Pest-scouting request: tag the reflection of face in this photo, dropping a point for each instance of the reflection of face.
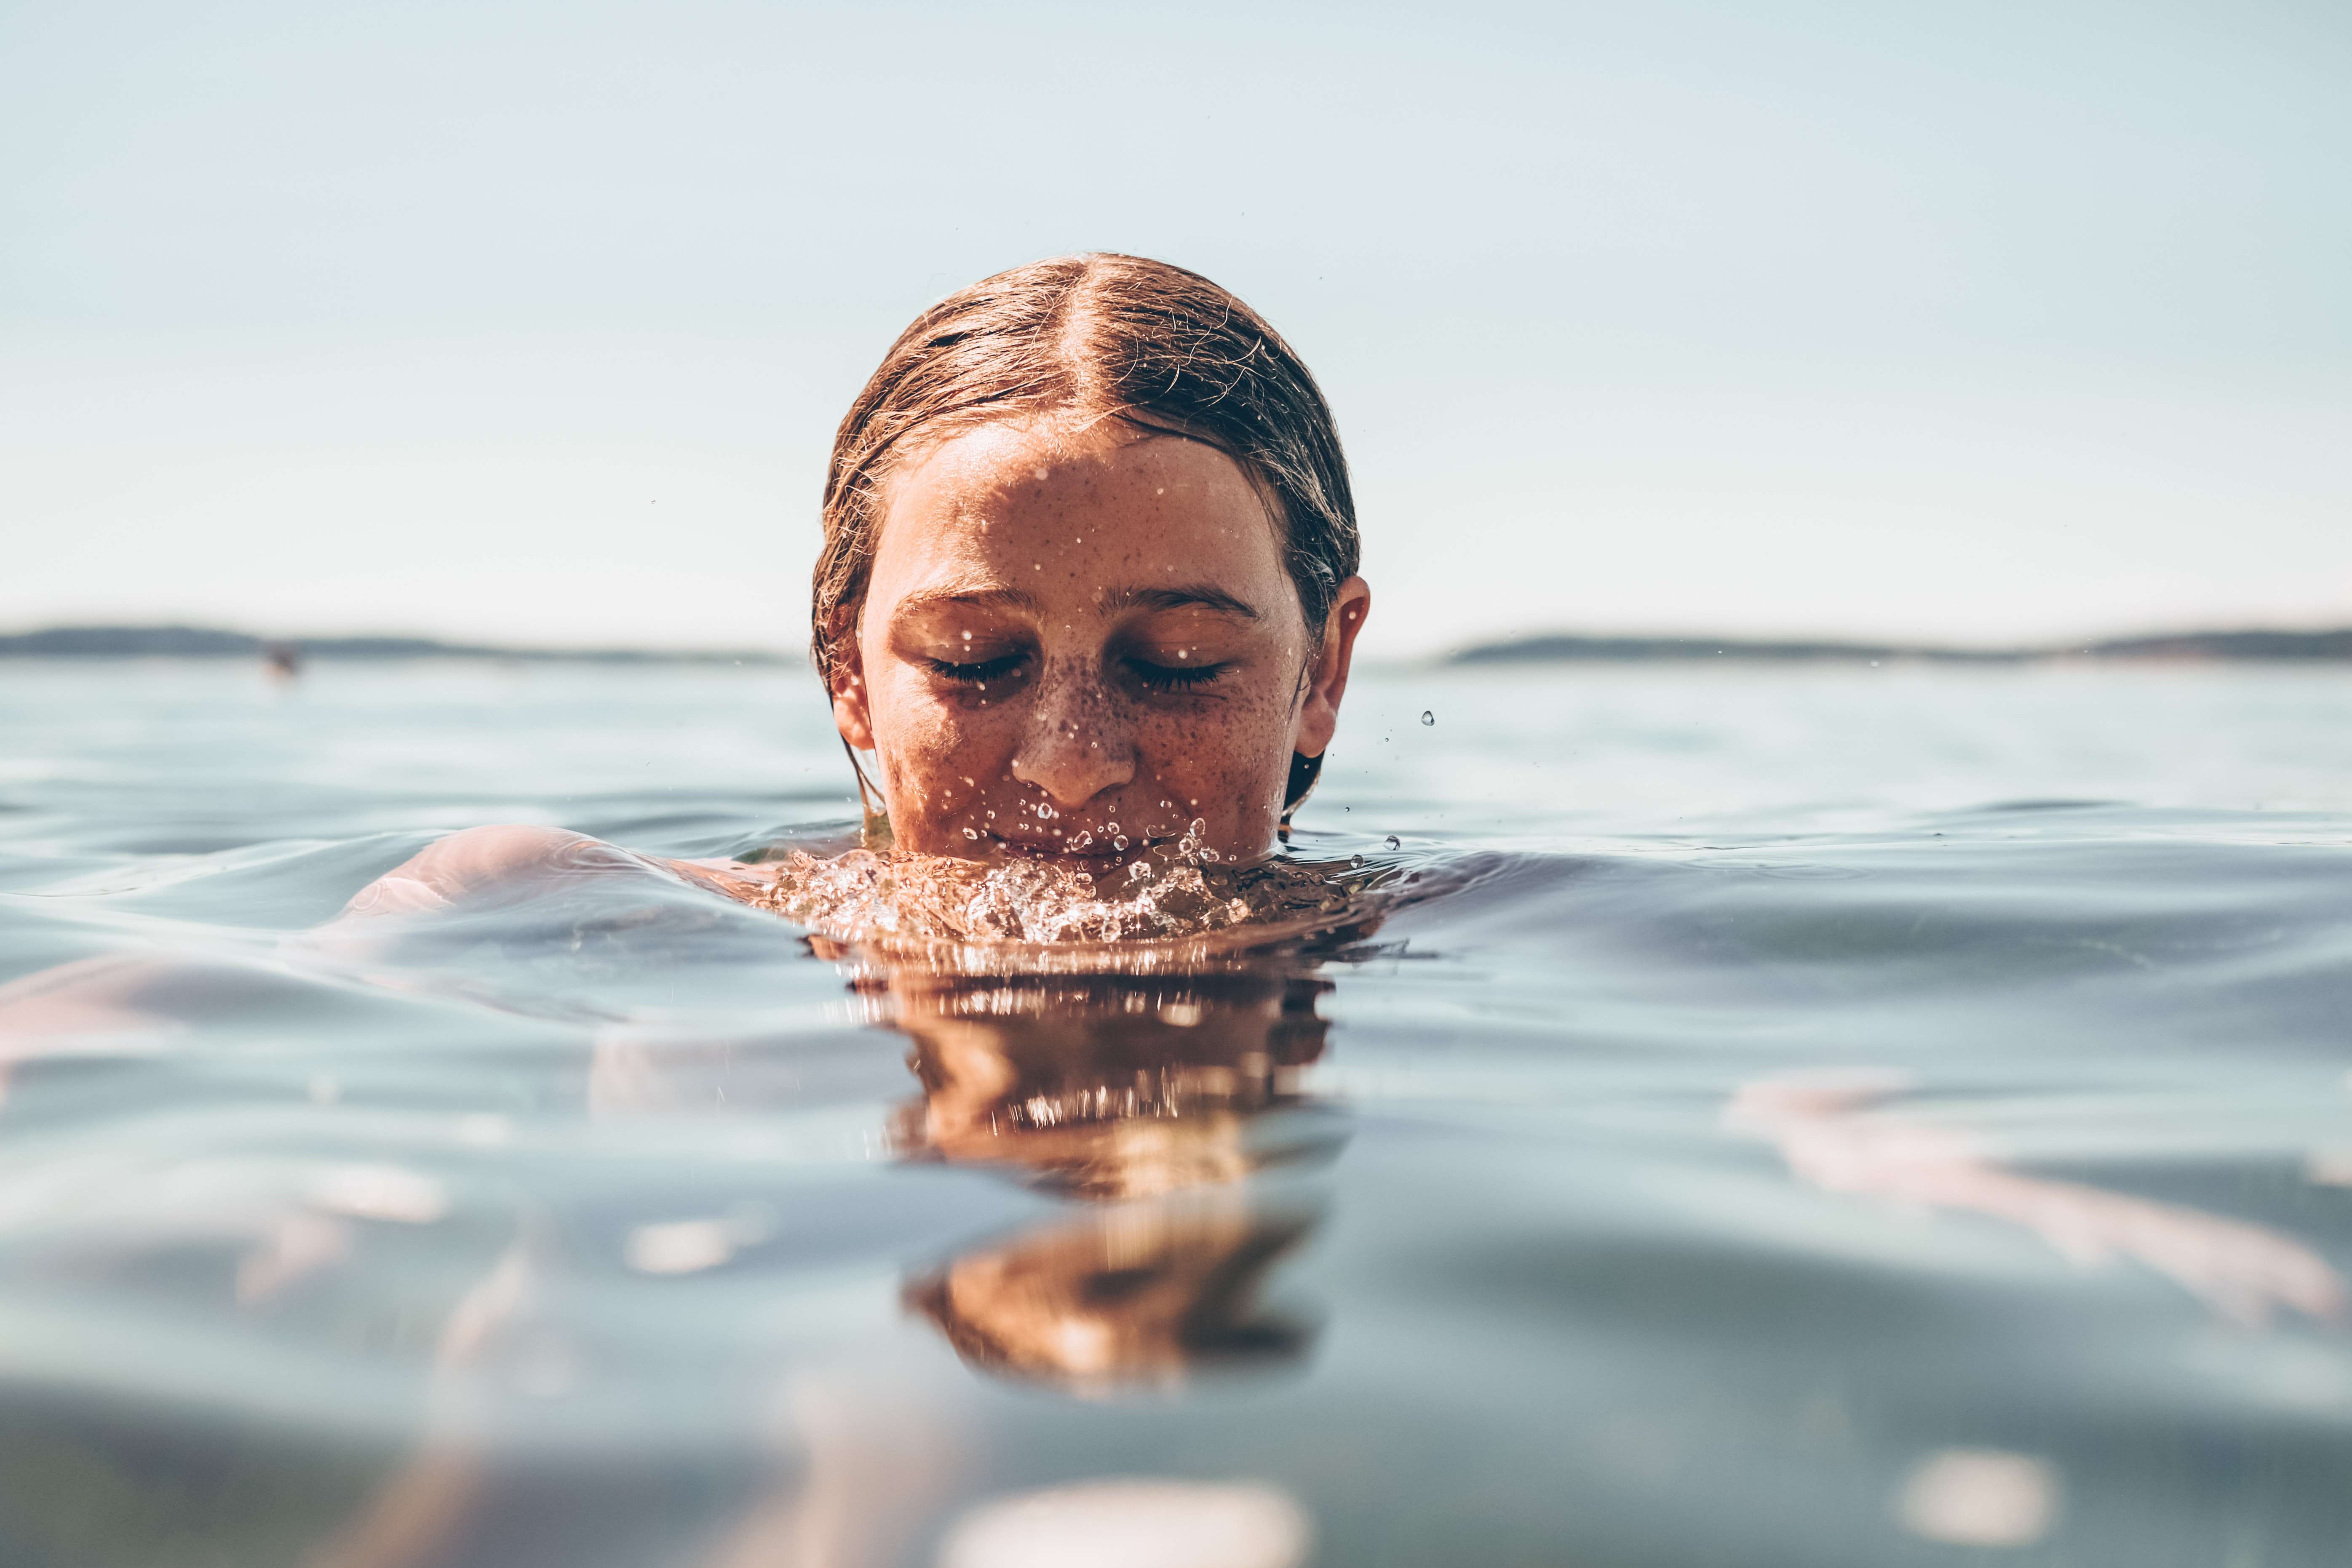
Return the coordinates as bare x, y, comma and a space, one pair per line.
1171, 1089
1075, 636
1109, 1087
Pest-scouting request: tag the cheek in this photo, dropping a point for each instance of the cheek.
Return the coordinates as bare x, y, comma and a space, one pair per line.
934, 743
1230, 752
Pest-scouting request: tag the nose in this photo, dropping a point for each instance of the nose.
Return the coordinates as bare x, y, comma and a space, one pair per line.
1077, 745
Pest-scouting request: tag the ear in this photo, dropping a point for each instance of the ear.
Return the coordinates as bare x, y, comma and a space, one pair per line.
1327, 673
851, 714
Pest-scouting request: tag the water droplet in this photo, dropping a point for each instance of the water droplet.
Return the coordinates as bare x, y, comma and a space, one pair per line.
1355, 859
1427, 717
1393, 842
972, 832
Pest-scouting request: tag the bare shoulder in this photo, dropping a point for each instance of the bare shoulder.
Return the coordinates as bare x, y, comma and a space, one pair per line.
477, 862
515, 859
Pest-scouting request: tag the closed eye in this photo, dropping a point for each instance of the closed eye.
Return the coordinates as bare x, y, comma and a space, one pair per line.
995, 668
1173, 677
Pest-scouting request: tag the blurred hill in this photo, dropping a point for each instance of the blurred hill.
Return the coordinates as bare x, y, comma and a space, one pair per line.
2170, 647
206, 642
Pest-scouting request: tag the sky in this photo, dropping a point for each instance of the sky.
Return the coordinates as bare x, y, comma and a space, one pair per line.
532, 322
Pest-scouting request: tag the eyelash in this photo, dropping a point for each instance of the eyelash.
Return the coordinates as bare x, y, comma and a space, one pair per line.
1173, 677
974, 674
1161, 677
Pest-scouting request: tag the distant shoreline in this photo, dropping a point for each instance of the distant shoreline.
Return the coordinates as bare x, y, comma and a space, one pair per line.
2269, 647
212, 643
207, 642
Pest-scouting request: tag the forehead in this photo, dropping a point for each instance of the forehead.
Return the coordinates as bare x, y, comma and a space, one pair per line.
1056, 509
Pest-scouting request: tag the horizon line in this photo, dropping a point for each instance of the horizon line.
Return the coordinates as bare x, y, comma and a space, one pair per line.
180, 639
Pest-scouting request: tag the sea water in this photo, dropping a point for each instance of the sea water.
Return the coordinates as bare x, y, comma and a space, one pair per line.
1806, 1116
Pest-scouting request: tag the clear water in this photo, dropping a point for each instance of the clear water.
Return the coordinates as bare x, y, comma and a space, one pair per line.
1821, 1117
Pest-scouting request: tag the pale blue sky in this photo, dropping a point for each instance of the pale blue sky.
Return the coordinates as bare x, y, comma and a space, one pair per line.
533, 321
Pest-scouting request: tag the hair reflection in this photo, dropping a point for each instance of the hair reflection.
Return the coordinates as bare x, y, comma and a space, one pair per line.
1133, 1297
1159, 1097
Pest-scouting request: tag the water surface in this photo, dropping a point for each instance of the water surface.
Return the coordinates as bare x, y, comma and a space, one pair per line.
1819, 1117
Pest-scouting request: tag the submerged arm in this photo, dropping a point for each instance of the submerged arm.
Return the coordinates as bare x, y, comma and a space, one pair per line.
130, 1001
1835, 1137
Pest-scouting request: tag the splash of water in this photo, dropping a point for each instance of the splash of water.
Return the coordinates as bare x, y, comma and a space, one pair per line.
1177, 889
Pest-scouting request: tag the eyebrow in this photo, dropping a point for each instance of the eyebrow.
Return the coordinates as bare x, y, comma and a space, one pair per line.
1181, 597
973, 597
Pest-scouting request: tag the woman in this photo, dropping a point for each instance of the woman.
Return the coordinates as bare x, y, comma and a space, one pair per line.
1087, 597
1089, 569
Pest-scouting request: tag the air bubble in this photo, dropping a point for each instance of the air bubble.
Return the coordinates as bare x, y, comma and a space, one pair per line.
1427, 717
972, 832
1393, 842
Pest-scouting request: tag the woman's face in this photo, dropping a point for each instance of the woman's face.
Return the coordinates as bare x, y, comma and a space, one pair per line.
1073, 637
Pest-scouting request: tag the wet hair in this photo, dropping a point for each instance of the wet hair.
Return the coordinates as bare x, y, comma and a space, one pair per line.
1107, 336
